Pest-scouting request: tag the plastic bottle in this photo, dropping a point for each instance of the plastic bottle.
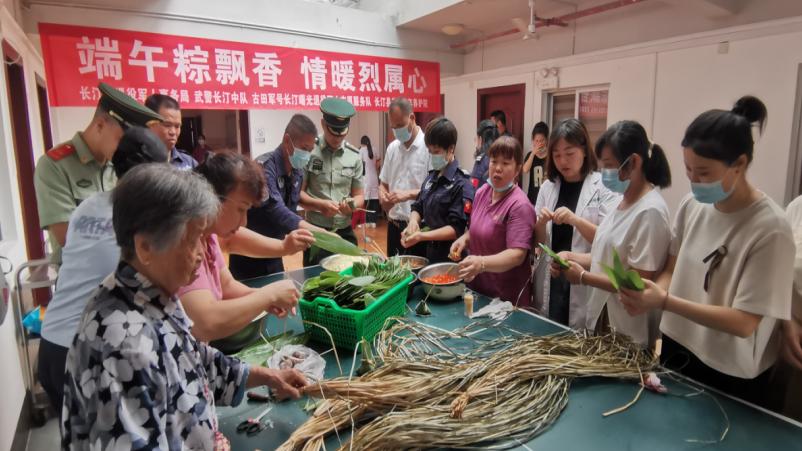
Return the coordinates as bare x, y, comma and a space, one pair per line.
467, 298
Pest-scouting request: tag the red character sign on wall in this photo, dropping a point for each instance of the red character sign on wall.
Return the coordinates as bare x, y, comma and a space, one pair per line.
207, 73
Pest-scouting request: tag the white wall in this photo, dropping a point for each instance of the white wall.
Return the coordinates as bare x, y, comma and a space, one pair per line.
13, 245
664, 85
273, 122
691, 81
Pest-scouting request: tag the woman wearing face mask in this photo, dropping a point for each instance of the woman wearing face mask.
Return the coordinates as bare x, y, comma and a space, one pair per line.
445, 199
570, 204
727, 283
638, 229
486, 134
499, 236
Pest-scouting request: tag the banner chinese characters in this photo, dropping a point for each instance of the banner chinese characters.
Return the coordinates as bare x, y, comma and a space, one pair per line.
213, 74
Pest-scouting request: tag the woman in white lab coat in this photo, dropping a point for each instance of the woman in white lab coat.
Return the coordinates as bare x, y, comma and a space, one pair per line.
570, 205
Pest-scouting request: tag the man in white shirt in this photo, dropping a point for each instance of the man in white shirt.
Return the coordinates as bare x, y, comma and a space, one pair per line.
406, 164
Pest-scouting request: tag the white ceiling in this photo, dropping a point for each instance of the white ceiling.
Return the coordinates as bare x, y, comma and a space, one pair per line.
494, 15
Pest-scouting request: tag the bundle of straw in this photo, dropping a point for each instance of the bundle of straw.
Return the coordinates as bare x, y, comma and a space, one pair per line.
454, 389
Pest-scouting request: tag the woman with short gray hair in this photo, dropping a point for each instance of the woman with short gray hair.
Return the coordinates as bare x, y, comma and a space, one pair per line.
136, 378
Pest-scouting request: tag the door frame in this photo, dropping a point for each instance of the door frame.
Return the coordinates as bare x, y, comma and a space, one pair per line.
793, 185
23, 152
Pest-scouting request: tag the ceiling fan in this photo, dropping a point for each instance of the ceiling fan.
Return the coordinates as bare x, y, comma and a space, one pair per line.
528, 29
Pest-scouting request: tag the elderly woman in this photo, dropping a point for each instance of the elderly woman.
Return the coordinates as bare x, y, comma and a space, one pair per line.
499, 236
136, 378
239, 183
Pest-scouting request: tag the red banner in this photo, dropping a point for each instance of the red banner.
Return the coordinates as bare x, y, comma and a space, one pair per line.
212, 74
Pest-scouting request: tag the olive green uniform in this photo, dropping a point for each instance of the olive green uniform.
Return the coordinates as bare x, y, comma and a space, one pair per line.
65, 176
69, 173
332, 175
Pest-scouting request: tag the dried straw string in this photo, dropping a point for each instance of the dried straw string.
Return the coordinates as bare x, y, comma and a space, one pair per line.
406, 350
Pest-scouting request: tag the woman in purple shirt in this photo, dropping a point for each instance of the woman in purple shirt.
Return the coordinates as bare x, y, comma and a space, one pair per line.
499, 237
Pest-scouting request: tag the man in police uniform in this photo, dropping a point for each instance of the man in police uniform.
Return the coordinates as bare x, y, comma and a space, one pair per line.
169, 129
277, 216
332, 186
72, 171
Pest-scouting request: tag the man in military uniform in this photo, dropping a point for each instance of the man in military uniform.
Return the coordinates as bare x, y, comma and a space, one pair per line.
332, 186
72, 171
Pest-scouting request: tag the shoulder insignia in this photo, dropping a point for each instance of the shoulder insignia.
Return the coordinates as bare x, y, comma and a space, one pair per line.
351, 148
467, 206
60, 152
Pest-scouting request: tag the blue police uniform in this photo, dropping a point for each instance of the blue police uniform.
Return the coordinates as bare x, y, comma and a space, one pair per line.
275, 218
444, 200
481, 167
182, 160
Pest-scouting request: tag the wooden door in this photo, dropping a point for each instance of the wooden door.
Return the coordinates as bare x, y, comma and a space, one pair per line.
510, 99
190, 130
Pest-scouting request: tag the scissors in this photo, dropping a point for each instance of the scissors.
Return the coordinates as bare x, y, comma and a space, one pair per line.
253, 426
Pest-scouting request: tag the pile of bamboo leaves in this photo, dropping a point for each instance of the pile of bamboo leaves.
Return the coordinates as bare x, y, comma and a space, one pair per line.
462, 389
365, 284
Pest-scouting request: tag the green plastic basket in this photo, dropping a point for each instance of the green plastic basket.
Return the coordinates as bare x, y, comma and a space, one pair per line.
347, 326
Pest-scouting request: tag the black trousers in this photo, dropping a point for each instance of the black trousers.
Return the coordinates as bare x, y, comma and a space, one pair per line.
372, 205
764, 390
52, 361
347, 234
437, 251
560, 300
394, 247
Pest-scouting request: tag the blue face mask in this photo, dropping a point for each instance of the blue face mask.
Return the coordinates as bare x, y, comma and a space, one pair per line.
611, 180
439, 162
710, 193
299, 157
506, 188
402, 134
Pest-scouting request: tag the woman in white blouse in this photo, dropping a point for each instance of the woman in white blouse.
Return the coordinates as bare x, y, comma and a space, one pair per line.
638, 229
727, 283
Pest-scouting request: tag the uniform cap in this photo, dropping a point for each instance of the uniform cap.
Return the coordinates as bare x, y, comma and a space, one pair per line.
124, 108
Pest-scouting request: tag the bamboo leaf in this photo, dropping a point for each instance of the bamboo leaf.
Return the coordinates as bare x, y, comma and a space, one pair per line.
335, 244
362, 281
554, 256
618, 267
612, 276
635, 281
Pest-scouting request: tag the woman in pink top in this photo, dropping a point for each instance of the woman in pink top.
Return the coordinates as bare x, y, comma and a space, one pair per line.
239, 183
500, 234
